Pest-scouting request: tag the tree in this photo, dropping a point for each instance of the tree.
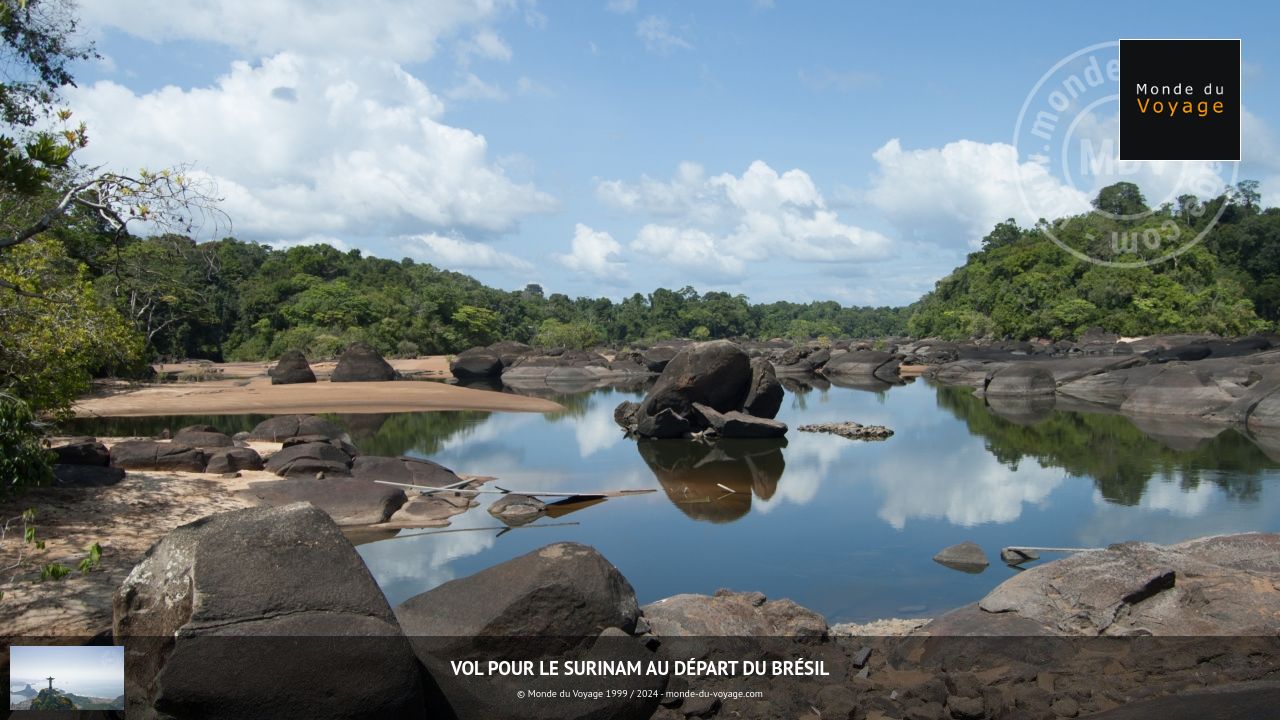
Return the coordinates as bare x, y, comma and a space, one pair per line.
1123, 199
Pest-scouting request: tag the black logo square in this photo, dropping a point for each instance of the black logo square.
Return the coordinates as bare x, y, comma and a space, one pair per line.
1179, 99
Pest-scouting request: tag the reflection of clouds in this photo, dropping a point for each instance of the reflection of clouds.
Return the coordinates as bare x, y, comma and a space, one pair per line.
494, 427
419, 564
1171, 497
967, 487
596, 430
809, 457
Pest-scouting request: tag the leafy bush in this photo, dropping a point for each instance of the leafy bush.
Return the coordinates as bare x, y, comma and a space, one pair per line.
23, 459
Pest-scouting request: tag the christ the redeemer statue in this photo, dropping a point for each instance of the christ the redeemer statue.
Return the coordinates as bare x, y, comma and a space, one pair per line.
50, 679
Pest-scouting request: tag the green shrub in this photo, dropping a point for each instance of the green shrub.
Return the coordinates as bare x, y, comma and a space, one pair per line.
23, 459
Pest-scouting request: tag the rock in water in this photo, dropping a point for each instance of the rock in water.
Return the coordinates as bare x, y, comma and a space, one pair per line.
851, 430
517, 509
716, 374
276, 590
737, 425
1021, 379
765, 396
291, 369
361, 363
965, 557
478, 362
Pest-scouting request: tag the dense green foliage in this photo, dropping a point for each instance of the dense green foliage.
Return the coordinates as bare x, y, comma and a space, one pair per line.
1021, 285
232, 300
23, 459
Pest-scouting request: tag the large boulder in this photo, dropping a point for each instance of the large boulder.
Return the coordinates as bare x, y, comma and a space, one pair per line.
732, 614
234, 459
764, 398
1216, 586
153, 455
864, 362
1181, 390
656, 358
410, 471
1110, 388
361, 363
508, 351
737, 425
476, 363
283, 427
202, 436
82, 451
261, 613
564, 601
716, 374
307, 459
292, 368
82, 476
347, 501
1021, 380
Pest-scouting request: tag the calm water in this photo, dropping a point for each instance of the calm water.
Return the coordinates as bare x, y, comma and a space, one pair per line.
844, 527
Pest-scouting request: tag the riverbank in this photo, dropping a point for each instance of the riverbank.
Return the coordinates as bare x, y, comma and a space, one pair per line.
244, 388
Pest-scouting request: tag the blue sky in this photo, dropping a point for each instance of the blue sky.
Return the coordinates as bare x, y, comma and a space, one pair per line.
608, 147
76, 669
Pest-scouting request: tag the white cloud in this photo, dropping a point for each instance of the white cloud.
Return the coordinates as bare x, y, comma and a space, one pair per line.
384, 29
621, 6
485, 44
592, 253
456, 253
473, 88
960, 191
656, 32
300, 146
719, 224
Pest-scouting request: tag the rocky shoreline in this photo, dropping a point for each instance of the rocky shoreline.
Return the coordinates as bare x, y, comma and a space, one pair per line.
1042, 644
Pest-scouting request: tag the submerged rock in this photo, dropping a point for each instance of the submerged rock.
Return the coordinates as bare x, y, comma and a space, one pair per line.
517, 509
850, 430
965, 557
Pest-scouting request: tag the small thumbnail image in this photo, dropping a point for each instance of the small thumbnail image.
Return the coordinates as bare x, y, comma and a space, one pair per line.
66, 677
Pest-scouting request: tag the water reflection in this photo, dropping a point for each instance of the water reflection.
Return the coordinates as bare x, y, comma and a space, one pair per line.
715, 482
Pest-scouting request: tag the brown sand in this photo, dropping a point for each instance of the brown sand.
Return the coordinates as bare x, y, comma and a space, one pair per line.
259, 396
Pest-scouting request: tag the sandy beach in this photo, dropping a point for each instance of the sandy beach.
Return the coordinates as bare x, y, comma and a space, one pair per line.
244, 388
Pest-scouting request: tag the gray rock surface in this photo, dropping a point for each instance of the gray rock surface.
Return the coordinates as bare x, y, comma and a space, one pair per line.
306, 459
764, 398
266, 589
1020, 380
152, 455
732, 614
345, 500
228, 460
283, 427
967, 556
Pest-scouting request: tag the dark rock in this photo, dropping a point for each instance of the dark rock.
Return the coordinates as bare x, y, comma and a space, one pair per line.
232, 460
347, 501
665, 425
735, 424
361, 363
268, 589
152, 455
730, 614
478, 362
508, 351
851, 430
292, 368
516, 509
699, 706
966, 708
1018, 556
764, 399
283, 427
625, 415
82, 451
966, 557
85, 475
1184, 353
200, 438
1225, 702
694, 475
656, 358
716, 374
301, 459
1021, 379
411, 471
864, 362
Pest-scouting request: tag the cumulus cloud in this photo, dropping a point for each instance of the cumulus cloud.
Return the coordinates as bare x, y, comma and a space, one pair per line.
473, 88
721, 223
300, 146
656, 32
960, 191
401, 30
592, 253
486, 44
451, 252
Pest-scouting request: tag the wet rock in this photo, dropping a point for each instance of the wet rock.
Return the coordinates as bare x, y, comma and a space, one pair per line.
716, 374
283, 427
230, 460
152, 455
965, 557
731, 614
864, 362
222, 594
517, 509
1018, 556
764, 399
82, 451
361, 363
345, 500
737, 425
665, 425
291, 369
81, 476
850, 430
625, 415
1021, 379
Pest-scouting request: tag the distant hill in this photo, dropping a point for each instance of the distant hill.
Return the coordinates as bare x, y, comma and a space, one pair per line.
27, 691
52, 700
